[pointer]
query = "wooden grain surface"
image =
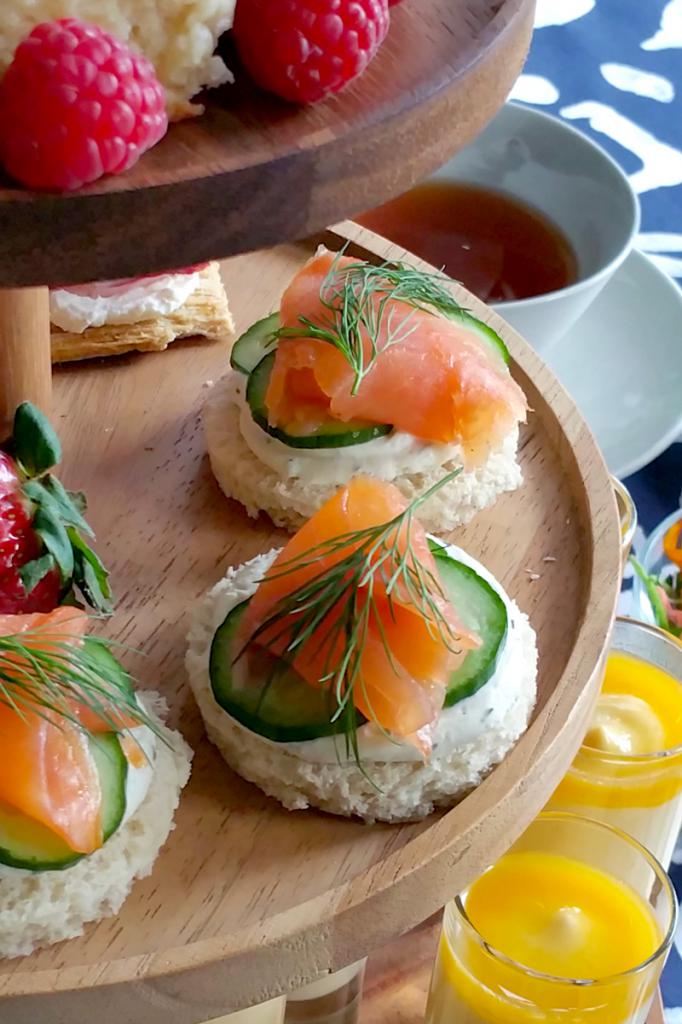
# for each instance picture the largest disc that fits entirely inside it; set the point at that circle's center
(248, 900)
(25, 363)
(253, 171)
(398, 976)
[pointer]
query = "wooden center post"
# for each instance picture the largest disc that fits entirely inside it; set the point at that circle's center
(25, 364)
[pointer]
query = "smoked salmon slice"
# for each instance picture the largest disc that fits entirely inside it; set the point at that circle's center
(406, 654)
(53, 778)
(432, 377)
(51, 630)
(61, 624)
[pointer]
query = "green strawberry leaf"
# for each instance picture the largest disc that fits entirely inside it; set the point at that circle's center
(90, 576)
(69, 510)
(92, 585)
(36, 444)
(50, 494)
(70, 599)
(53, 534)
(34, 490)
(78, 500)
(33, 572)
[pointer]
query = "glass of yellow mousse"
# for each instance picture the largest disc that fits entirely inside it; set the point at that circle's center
(628, 772)
(572, 926)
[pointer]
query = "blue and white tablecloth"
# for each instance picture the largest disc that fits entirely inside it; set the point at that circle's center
(613, 68)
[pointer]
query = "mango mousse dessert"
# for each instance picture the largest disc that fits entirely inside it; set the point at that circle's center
(628, 771)
(572, 925)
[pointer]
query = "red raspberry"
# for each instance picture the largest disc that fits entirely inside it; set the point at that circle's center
(18, 545)
(303, 50)
(75, 103)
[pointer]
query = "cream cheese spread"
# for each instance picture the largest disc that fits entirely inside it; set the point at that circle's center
(139, 777)
(127, 301)
(395, 455)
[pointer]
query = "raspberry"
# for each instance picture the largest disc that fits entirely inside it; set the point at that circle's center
(19, 545)
(303, 50)
(75, 103)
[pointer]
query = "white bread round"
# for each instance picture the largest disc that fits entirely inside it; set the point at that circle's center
(38, 909)
(290, 502)
(397, 791)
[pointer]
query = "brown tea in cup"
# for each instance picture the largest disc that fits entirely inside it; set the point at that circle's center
(498, 247)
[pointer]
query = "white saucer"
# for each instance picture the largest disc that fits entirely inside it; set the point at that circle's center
(622, 363)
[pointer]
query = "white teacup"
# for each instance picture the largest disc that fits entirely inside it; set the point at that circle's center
(550, 166)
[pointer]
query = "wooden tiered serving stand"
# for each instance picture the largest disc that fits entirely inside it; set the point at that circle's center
(247, 900)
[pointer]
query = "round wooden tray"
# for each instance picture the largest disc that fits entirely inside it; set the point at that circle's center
(248, 900)
(253, 171)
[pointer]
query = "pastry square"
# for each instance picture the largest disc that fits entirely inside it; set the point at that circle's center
(204, 313)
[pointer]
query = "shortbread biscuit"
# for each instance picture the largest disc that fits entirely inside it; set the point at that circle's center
(205, 313)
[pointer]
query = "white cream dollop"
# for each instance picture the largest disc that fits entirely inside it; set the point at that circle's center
(139, 777)
(456, 726)
(625, 724)
(388, 458)
(566, 930)
(120, 302)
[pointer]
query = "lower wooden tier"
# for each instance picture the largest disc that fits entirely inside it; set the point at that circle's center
(248, 901)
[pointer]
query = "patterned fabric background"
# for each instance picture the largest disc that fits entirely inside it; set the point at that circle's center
(614, 69)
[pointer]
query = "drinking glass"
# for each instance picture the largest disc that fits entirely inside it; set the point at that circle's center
(639, 793)
(473, 983)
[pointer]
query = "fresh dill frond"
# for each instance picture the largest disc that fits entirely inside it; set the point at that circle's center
(361, 316)
(335, 606)
(51, 677)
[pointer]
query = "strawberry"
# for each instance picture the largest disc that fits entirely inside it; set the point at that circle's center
(44, 559)
(18, 546)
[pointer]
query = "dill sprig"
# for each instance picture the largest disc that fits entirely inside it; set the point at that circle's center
(336, 606)
(360, 303)
(46, 676)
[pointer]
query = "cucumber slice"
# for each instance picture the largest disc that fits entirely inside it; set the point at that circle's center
(259, 340)
(112, 766)
(101, 654)
(252, 345)
(490, 338)
(27, 844)
(331, 434)
(286, 709)
(481, 609)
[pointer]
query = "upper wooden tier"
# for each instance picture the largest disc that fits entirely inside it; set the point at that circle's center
(253, 171)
